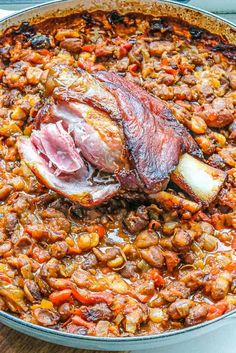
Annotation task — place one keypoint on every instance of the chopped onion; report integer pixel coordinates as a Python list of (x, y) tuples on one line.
[(102, 328), (197, 250), (156, 315), (117, 284), (209, 242), (119, 318), (231, 299), (132, 321)]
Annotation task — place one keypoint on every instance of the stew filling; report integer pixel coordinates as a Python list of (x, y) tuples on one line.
[(156, 252)]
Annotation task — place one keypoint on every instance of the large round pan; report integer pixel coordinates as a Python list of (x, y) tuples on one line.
[(187, 13)]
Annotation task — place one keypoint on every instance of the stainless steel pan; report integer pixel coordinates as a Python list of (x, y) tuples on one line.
[(190, 14)]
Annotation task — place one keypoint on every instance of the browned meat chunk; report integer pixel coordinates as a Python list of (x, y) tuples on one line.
[(189, 80), (194, 279), (89, 262), (220, 114), (153, 256), (172, 260), (197, 314), (32, 291), (182, 93), (179, 309), (229, 155), (129, 270), (164, 92), (59, 249), (65, 310), (135, 315), (182, 240), (72, 44), (11, 223), (146, 238), (108, 255), (206, 90), (46, 317), (175, 290), (216, 161), (137, 220), (159, 47), (95, 313)]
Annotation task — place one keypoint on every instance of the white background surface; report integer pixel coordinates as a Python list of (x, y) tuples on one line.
[(224, 339)]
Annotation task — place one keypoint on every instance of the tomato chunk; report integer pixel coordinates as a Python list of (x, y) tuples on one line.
[(60, 297)]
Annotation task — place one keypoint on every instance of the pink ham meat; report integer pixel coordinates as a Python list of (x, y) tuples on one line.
[(55, 144), (98, 138), (76, 186)]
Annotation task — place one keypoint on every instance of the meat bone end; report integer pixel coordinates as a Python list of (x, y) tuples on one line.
[(198, 179)]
